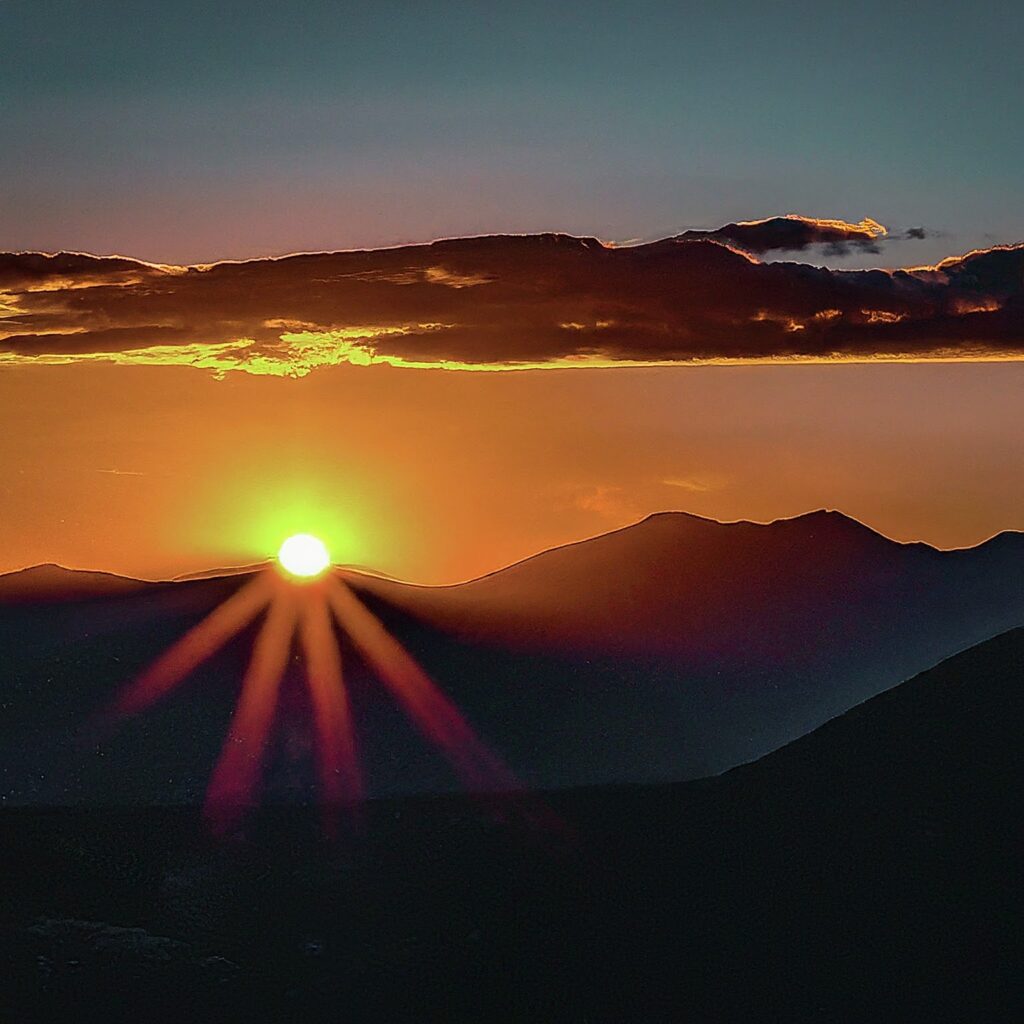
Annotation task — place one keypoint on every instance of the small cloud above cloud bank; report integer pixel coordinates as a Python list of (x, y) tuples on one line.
[(794, 233), (512, 302)]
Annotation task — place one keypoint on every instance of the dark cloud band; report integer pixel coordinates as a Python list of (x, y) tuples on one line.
[(507, 301)]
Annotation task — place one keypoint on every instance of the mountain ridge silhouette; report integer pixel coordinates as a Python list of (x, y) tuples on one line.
[(54, 572), (670, 650)]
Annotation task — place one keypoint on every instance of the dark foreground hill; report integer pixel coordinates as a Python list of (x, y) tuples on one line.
[(673, 649), (869, 871)]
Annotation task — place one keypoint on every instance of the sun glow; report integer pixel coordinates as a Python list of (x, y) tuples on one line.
[(304, 556)]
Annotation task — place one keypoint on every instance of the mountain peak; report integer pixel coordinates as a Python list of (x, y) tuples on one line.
[(818, 522), (830, 517)]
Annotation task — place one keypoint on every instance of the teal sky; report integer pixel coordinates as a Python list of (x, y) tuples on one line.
[(195, 131)]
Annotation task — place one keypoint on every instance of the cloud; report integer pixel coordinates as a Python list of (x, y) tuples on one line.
[(607, 501), (505, 302), (694, 484), (794, 233)]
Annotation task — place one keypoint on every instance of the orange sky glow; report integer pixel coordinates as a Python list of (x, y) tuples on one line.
[(436, 476)]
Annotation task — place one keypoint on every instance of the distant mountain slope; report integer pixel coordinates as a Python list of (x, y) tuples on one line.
[(53, 583), (674, 649), (953, 730), (680, 647), (680, 584)]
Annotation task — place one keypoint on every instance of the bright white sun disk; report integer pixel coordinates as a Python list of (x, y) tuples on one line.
[(304, 555)]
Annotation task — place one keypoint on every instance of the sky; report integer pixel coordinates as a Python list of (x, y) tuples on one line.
[(159, 417), (195, 131)]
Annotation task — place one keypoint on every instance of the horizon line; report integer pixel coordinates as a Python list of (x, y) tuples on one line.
[(224, 572)]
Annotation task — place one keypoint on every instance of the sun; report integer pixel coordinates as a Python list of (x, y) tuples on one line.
[(304, 555)]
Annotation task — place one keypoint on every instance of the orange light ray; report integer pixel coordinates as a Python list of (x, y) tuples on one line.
[(340, 777), (431, 711), (237, 773), (195, 647)]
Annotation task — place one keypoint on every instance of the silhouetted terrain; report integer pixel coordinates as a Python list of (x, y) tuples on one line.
[(869, 871), (673, 649)]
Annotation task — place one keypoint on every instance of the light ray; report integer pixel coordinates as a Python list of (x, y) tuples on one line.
[(237, 774), (431, 711), (196, 646), (340, 778)]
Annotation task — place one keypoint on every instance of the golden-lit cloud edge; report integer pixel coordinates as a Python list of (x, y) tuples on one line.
[(517, 302)]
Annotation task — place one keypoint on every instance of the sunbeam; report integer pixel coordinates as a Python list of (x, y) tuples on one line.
[(198, 644), (236, 776), (432, 712), (340, 778)]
